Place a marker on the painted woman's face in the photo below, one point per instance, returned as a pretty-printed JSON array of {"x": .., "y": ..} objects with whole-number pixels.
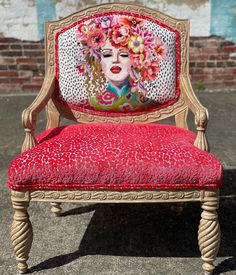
[{"x": 115, "y": 64}]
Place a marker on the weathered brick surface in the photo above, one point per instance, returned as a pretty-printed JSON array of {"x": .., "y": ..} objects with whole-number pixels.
[{"x": 212, "y": 64}]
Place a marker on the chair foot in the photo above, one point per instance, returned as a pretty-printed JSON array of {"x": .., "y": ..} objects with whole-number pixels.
[
  {"x": 22, "y": 267},
  {"x": 209, "y": 232},
  {"x": 21, "y": 233},
  {"x": 56, "y": 208},
  {"x": 177, "y": 208}
]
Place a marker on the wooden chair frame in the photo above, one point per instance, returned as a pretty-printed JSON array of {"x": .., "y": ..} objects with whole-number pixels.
[{"x": 209, "y": 230}]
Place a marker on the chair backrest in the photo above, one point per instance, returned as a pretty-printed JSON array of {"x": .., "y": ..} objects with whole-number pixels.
[{"x": 117, "y": 62}]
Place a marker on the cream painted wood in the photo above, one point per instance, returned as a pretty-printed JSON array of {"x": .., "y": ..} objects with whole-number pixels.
[
  {"x": 209, "y": 231},
  {"x": 21, "y": 230},
  {"x": 56, "y": 208}
]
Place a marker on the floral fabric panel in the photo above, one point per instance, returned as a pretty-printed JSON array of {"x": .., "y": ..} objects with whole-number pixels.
[{"x": 117, "y": 64}]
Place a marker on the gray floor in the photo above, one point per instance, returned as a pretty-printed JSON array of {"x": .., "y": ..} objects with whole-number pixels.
[{"x": 121, "y": 239}]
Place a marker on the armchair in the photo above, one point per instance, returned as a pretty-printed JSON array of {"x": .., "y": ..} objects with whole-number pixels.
[{"x": 117, "y": 69}]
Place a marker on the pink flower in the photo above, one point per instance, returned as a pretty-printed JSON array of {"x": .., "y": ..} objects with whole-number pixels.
[
  {"x": 161, "y": 49},
  {"x": 131, "y": 21},
  {"x": 119, "y": 35},
  {"x": 105, "y": 22},
  {"x": 149, "y": 40},
  {"x": 107, "y": 98},
  {"x": 139, "y": 60},
  {"x": 96, "y": 39},
  {"x": 82, "y": 32},
  {"x": 151, "y": 71}
]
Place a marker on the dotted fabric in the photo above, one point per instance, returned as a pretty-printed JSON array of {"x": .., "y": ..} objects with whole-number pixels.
[
  {"x": 115, "y": 157},
  {"x": 73, "y": 89}
]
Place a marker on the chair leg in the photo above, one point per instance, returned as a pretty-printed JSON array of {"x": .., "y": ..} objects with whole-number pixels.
[
  {"x": 56, "y": 208},
  {"x": 209, "y": 234},
  {"x": 21, "y": 234}
]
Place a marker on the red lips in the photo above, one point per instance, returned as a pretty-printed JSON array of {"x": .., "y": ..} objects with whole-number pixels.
[{"x": 115, "y": 69}]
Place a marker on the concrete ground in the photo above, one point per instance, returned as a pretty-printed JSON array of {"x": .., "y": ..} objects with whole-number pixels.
[{"x": 121, "y": 239}]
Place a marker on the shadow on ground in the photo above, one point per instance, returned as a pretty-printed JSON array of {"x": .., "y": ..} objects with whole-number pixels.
[{"x": 148, "y": 230}]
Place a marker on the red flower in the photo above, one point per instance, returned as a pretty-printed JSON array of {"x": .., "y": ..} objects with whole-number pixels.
[
  {"x": 96, "y": 38},
  {"x": 151, "y": 71},
  {"x": 131, "y": 21},
  {"x": 107, "y": 98},
  {"x": 119, "y": 35},
  {"x": 81, "y": 68},
  {"x": 126, "y": 107}
]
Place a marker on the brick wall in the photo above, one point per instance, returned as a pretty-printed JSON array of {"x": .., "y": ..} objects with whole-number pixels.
[{"x": 212, "y": 64}]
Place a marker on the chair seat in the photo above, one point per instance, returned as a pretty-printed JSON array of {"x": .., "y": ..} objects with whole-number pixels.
[{"x": 115, "y": 157}]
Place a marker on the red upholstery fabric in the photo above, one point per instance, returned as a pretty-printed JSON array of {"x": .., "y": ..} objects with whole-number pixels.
[{"x": 115, "y": 156}]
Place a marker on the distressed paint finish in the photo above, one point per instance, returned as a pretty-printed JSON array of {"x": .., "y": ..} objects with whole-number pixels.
[
  {"x": 223, "y": 19},
  {"x": 45, "y": 12},
  {"x": 198, "y": 11},
  {"x": 18, "y": 19},
  {"x": 25, "y": 19}
]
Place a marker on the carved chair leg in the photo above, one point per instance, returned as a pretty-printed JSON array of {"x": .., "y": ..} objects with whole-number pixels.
[
  {"x": 56, "y": 208},
  {"x": 209, "y": 234},
  {"x": 21, "y": 234}
]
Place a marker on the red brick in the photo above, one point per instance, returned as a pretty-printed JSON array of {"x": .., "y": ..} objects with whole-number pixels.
[
  {"x": 200, "y": 64},
  {"x": 229, "y": 49},
  {"x": 7, "y": 60},
  {"x": 28, "y": 67},
  {"x": 12, "y": 67},
  {"x": 14, "y": 80},
  {"x": 199, "y": 57},
  {"x": 41, "y": 60},
  {"x": 11, "y": 53},
  {"x": 9, "y": 74},
  {"x": 25, "y": 60},
  {"x": 230, "y": 83},
  {"x": 4, "y": 47},
  {"x": 31, "y": 87},
  {"x": 33, "y": 46},
  {"x": 226, "y": 43},
  {"x": 3, "y": 67},
  {"x": 34, "y": 53},
  {"x": 16, "y": 47},
  {"x": 231, "y": 63},
  {"x": 37, "y": 80},
  {"x": 219, "y": 56},
  {"x": 8, "y": 40}
]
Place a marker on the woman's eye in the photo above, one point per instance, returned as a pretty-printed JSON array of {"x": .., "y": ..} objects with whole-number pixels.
[
  {"x": 105, "y": 55},
  {"x": 124, "y": 54}
]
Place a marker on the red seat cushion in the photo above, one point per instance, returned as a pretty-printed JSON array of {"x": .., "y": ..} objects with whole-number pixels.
[{"x": 115, "y": 156}]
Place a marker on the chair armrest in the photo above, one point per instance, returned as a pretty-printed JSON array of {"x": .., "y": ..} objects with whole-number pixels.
[
  {"x": 201, "y": 120},
  {"x": 29, "y": 115},
  {"x": 199, "y": 111}
]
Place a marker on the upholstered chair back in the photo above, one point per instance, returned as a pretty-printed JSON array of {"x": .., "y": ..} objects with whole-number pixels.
[{"x": 117, "y": 63}]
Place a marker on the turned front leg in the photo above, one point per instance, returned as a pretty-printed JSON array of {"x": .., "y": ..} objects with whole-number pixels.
[
  {"x": 56, "y": 208},
  {"x": 21, "y": 234},
  {"x": 209, "y": 234}
]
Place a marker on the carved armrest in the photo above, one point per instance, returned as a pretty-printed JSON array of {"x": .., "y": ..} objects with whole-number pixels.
[
  {"x": 200, "y": 113},
  {"x": 201, "y": 120},
  {"x": 29, "y": 115}
]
